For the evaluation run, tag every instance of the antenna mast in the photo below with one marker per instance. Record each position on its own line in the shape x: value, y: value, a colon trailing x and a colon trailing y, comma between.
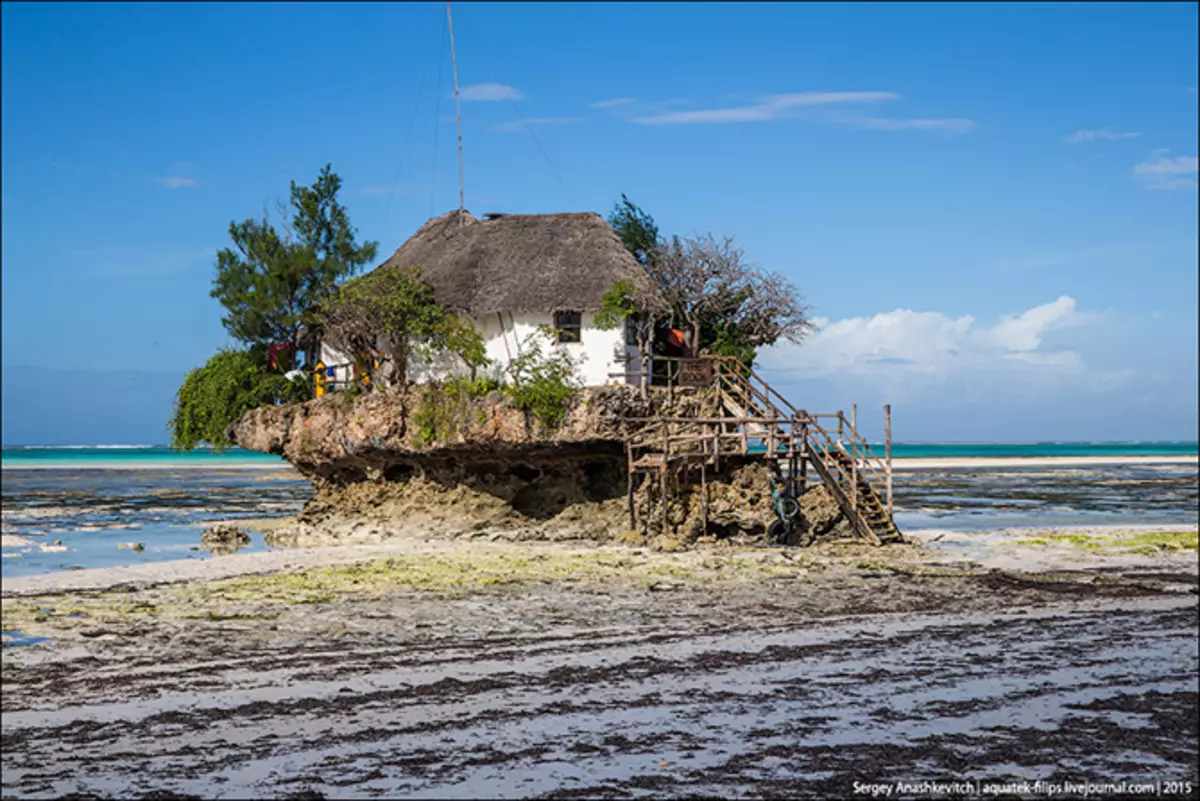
x: 457, y: 108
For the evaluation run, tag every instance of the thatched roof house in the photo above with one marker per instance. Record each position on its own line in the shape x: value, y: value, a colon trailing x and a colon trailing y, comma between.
x: 512, y: 273
x: 515, y: 263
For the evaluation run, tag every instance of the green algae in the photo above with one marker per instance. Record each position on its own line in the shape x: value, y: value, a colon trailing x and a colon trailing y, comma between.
x: 447, y: 576
x: 1121, y: 542
x: 1156, y: 541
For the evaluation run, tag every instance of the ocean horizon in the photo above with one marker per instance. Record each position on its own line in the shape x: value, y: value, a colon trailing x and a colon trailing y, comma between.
x: 117, y: 455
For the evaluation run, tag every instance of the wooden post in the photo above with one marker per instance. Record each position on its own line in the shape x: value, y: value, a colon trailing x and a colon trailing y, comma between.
x: 629, y: 489
x: 805, y: 453
x: 704, y: 493
x: 854, y: 455
x: 717, y: 449
x: 662, y: 488
x: 887, y: 433
x: 663, y: 472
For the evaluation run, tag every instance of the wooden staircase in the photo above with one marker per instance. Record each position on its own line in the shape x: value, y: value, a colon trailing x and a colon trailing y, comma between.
x: 751, y: 411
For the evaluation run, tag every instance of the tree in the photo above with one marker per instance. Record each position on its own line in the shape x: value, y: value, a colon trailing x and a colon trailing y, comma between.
x: 269, y: 278
x: 728, y: 305
x: 542, y: 384
x: 216, y: 395
x: 637, y: 230
x: 391, y: 314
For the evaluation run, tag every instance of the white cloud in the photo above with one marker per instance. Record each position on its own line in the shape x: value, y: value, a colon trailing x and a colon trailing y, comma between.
x: 769, y: 108
x: 616, y: 101
x: 1051, y: 372
x: 1103, y: 133
x: 816, y: 106
x: 489, y: 92
x: 951, y: 124
x: 912, y: 348
x: 175, y: 182
x: 1163, y: 172
x: 519, y: 125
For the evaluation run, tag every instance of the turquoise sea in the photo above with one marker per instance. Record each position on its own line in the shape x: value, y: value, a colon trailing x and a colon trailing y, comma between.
x: 81, y: 508
x: 115, y: 456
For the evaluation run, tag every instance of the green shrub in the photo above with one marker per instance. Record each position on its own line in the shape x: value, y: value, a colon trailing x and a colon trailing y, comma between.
x: 444, y: 406
x: 219, y: 393
x: 472, y: 387
x: 617, y: 304
x: 397, y: 307
x: 541, y: 384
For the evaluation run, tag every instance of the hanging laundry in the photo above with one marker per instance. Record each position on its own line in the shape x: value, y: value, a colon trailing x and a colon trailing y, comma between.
x: 276, y: 354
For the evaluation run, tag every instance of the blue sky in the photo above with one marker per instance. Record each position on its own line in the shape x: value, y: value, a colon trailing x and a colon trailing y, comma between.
x: 990, y: 208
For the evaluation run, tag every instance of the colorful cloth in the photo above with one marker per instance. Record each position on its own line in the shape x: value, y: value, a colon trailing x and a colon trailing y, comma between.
x: 276, y: 349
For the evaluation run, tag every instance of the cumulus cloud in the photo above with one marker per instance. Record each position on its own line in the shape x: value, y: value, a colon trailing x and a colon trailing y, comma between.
x: 1163, y: 172
x: 924, y: 346
x: 490, y: 92
x: 1050, y: 372
x: 1103, y: 133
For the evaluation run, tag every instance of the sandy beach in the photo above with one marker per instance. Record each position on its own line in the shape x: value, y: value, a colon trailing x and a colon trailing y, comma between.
x: 470, y: 668
x: 1039, y: 625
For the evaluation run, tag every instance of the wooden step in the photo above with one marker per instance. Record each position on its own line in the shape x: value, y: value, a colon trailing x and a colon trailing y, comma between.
x: 651, y: 461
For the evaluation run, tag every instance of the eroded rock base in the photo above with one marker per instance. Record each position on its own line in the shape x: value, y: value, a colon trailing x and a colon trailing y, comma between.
x: 563, y: 494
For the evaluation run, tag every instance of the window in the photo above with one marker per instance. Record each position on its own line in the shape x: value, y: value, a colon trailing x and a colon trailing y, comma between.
x: 569, y: 325
x: 631, y: 331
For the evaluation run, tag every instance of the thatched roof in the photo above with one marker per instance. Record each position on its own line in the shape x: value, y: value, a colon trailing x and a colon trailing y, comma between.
x: 523, y: 262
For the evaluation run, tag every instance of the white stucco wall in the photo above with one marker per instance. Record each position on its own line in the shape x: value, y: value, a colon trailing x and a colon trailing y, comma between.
x: 597, y: 354
x: 342, y: 364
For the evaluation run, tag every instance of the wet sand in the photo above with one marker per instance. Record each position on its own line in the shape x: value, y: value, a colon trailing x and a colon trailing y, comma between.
x: 459, y: 669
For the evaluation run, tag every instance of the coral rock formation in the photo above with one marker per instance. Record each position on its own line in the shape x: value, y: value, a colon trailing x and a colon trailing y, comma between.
x: 425, y: 461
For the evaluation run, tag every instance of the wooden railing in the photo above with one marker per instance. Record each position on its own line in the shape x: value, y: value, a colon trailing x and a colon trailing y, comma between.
x: 837, y: 478
x: 844, y: 459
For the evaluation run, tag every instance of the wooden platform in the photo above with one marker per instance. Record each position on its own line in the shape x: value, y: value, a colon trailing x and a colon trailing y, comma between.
x: 756, y: 421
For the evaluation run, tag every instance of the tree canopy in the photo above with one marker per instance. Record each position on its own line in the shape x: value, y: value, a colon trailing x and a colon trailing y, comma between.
x: 267, y: 282
x: 214, y: 396
x: 271, y: 277
x: 728, y: 305
x: 392, y: 314
x: 637, y: 230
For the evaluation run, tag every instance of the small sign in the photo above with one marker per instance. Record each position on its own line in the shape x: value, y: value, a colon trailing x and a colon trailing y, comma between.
x: 694, y: 373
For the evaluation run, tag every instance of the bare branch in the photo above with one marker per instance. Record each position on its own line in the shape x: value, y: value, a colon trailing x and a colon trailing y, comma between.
x: 708, y: 282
